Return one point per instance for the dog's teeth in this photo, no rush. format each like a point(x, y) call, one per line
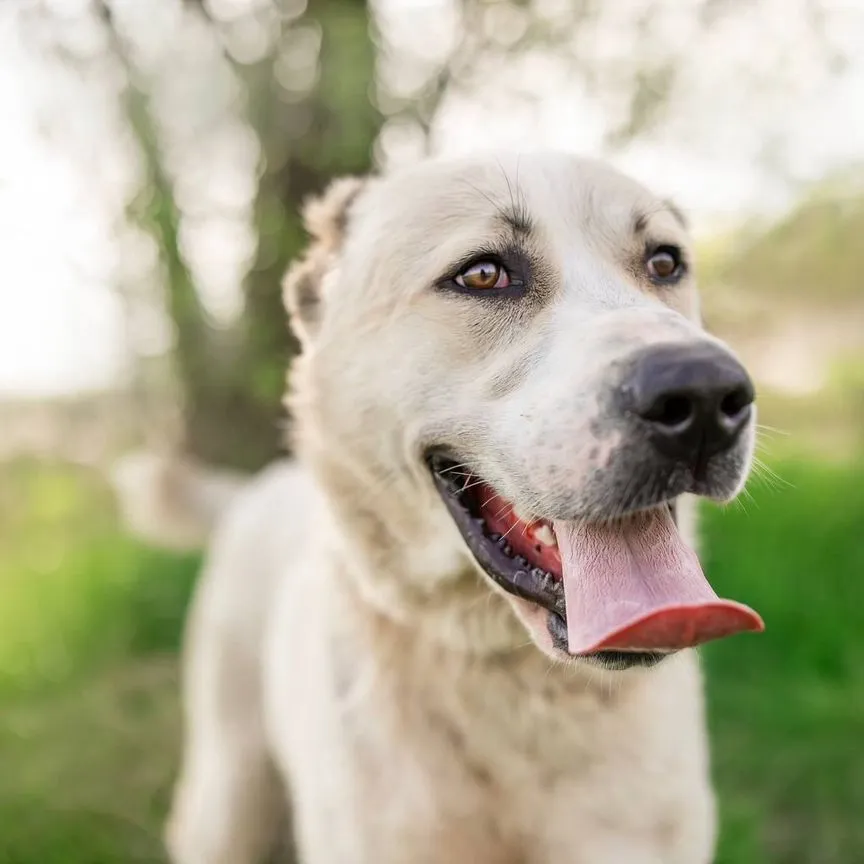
point(494, 537)
point(546, 579)
point(545, 536)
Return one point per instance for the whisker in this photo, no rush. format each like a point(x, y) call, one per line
point(490, 500)
point(771, 478)
point(762, 427)
point(746, 495)
point(454, 467)
point(509, 530)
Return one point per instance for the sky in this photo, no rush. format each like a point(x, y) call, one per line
point(66, 171)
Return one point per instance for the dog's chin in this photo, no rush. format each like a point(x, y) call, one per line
point(548, 631)
point(525, 564)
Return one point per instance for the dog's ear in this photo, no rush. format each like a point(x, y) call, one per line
point(326, 220)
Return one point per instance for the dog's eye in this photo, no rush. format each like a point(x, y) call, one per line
point(664, 264)
point(483, 275)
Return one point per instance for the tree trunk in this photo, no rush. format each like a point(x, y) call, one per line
point(241, 423)
point(232, 382)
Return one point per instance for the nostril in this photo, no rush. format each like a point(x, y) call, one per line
point(693, 400)
point(735, 403)
point(673, 411)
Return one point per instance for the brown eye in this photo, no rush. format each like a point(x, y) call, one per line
point(664, 264)
point(483, 275)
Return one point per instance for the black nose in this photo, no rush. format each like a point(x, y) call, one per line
point(696, 399)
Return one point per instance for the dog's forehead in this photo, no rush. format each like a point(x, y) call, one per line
point(552, 193)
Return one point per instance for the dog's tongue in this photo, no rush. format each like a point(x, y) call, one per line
point(635, 584)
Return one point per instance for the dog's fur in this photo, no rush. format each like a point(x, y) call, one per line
point(346, 661)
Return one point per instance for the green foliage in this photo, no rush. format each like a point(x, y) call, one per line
point(787, 707)
point(811, 256)
point(91, 620)
point(87, 770)
point(74, 592)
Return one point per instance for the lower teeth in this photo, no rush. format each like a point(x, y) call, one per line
point(500, 540)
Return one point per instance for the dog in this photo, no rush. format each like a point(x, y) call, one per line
point(460, 626)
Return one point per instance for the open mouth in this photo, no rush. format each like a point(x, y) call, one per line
point(627, 591)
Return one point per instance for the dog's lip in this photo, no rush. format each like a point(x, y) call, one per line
point(513, 574)
point(516, 575)
point(441, 460)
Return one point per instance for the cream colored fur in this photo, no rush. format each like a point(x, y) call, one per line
point(346, 662)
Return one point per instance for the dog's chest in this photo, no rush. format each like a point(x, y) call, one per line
point(554, 771)
point(484, 760)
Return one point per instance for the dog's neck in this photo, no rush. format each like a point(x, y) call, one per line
point(405, 558)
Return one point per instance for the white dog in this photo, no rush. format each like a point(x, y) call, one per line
point(459, 629)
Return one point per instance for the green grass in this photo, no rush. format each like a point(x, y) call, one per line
point(74, 591)
point(787, 707)
point(90, 622)
point(87, 770)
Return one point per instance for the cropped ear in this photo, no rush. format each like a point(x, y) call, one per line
point(326, 220)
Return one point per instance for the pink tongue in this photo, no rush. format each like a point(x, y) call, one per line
point(635, 584)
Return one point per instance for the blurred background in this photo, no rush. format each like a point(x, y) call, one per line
point(153, 154)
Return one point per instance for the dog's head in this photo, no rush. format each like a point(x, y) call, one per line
point(503, 364)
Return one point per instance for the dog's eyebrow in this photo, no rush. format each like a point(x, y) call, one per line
point(640, 220)
point(516, 219)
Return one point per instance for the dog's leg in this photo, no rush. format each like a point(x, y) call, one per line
point(229, 805)
point(227, 808)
